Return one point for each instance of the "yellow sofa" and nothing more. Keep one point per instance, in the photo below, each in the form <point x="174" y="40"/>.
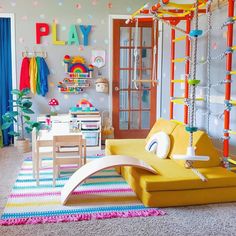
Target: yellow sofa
<point x="174" y="185"/>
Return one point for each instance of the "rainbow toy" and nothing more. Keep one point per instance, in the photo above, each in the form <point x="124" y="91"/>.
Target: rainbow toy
<point x="67" y="59"/>
<point x="84" y="103"/>
<point x="78" y="68"/>
<point x="78" y="59"/>
<point x="91" y="67"/>
<point x="78" y="74"/>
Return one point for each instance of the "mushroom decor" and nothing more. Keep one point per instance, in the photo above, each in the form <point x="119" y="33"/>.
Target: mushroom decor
<point x="53" y="103"/>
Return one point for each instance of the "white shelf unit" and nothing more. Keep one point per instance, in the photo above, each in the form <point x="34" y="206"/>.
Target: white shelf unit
<point x="84" y="121"/>
<point x="81" y="119"/>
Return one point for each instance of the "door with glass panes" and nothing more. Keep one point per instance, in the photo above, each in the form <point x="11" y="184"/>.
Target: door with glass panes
<point x="134" y="110"/>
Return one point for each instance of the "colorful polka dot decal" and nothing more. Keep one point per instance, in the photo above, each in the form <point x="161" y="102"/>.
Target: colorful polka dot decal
<point x="66" y="97"/>
<point x="214" y="45"/>
<point x="24" y="18"/>
<point x="129" y="9"/>
<point x="55" y="20"/>
<point x="85" y="95"/>
<point x="21" y="40"/>
<point x="51" y="84"/>
<point x="63" y="28"/>
<point x="81" y="48"/>
<point x="35" y="3"/>
<point x="78" y="6"/>
<point x="13" y="4"/>
<point x="42" y="16"/>
<point x="79" y="20"/>
<point x="94" y="2"/>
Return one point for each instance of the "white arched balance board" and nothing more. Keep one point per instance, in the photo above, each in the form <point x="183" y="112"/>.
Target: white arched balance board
<point x="95" y="166"/>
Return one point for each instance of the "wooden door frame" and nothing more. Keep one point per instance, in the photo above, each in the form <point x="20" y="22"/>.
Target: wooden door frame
<point x="110" y="56"/>
<point x="153" y="99"/>
<point x="110" y="65"/>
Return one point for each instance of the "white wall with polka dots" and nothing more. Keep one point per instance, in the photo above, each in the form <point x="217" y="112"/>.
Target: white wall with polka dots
<point x="65" y="13"/>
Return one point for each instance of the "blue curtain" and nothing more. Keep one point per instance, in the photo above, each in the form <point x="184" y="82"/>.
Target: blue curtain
<point x="5" y="72"/>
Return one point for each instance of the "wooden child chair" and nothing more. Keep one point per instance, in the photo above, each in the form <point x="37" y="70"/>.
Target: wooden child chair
<point x="43" y="151"/>
<point x="67" y="149"/>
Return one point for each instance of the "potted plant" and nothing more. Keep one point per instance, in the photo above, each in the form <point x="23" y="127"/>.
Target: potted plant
<point x="19" y="114"/>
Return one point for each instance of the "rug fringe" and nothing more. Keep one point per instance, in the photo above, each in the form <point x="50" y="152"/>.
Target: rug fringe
<point x="80" y="217"/>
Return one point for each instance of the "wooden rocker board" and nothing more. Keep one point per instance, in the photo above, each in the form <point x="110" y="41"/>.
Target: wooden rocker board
<point x="95" y="166"/>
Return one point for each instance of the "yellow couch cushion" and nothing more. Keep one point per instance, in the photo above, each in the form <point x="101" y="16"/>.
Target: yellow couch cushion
<point x="134" y="148"/>
<point x="171" y="175"/>
<point x="203" y="144"/>
<point x="174" y="180"/>
<point x="161" y="124"/>
<point x="168" y="198"/>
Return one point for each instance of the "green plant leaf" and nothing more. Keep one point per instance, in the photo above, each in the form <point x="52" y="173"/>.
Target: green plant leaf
<point x="27" y="111"/>
<point x="18" y="101"/>
<point x="14" y="113"/>
<point x="13" y="133"/>
<point x="16" y="92"/>
<point x="27" y="97"/>
<point x="26" y="104"/>
<point x="6" y="125"/>
<point x="27" y="118"/>
<point x="25" y="91"/>
<point x="28" y="129"/>
<point x="36" y="125"/>
<point x="6" y="117"/>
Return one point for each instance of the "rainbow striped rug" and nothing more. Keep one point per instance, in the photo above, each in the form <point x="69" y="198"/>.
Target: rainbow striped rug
<point x="103" y="196"/>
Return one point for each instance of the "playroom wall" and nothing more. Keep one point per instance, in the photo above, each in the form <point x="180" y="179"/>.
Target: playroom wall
<point x="218" y="45"/>
<point x="65" y="13"/>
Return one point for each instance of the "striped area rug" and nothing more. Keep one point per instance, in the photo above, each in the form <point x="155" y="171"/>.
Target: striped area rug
<point x="103" y="196"/>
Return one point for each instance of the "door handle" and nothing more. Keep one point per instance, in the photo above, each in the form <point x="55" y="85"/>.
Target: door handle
<point x="117" y="88"/>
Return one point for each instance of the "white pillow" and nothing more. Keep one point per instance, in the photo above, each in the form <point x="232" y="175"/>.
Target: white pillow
<point x="160" y="144"/>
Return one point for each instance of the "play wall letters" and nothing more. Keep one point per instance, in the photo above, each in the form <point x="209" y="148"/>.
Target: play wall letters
<point x="43" y="29"/>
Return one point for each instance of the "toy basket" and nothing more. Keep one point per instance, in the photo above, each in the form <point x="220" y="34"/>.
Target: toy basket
<point x="91" y="138"/>
<point x="90" y="125"/>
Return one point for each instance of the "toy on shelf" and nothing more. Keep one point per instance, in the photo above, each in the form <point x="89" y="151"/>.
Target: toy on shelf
<point x="53" y="103"/>
<point x="78" y="75"/>
<point x="84" y="107"/>
<point x="67" y="60"/>
<point x="102" y="85"/>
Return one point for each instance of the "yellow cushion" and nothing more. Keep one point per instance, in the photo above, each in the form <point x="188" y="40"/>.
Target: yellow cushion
<point x="134" y="148"/>
<point x="176" y="180"/>
<point x="203" y="144"/>
<point x="184" y="197"/>
<point x="174" y="185"/>
<point x="161" y="124"/>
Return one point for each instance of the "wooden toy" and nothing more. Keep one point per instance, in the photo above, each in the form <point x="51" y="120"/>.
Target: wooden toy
<point x="78" y="75"/>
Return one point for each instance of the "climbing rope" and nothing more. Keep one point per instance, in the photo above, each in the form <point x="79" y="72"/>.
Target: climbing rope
<point x="135" y="54"/>
<point x="208" y="97"/>
<point x="154" y="64"/>
<point x="193" y="77"/>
